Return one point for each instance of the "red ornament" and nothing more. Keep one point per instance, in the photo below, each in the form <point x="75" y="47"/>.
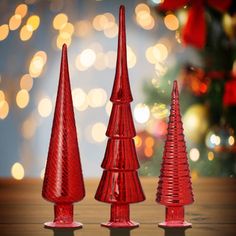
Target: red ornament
<point x="194" y="32"/>
<point x="229" y="98"/>
<point x="120" y="183"/>
<point x="175" y="187"/>
<point x="63" y="182"/>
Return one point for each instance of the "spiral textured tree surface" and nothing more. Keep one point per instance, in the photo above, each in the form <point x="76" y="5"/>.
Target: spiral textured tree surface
<point x="120" y="183"/>
<point x="63" y="182"/>
<point x="175" y="187"/>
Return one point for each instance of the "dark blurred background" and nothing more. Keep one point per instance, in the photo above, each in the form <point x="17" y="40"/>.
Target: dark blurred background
<point x="163" y="45"/>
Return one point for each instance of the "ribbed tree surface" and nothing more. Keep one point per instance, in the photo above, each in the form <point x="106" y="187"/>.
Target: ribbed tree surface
<point x="175" y="187"/>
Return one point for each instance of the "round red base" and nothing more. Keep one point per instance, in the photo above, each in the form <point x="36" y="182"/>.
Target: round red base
<point x="165" y="224"/>
<point x="61" y="225"/>
<point x="125" y="224"/>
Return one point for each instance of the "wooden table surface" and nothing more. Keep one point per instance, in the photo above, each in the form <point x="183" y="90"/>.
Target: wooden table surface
<point x="23" y="211"/>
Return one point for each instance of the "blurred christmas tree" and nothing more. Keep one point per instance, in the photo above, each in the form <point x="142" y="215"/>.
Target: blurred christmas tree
<point x="208" y="90"/>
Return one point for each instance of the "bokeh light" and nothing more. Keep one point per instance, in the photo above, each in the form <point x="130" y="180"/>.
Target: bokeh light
<point x="33" y="22"/>
<point x="171" y="22"/>
<point x="45" y="107"/>
<point x="141" y="113"/>
<point x="194" y="154"/>
<point x="98" y="132"/>
<point x="4" y="31"/>
<point x="97" y="97"/>
<point x="83" y="28"/>
<point x="26" y="82"/>
<point x="87" y="57"/>
<point x="26" y="33"/>
<point x="131" y="57"/>
<point x="60" y="21"/>
<point x="15" y="22"/>
<point x="22" y="98"/>
<point x="17" y="171"/>
<point x="210" y="156"/>
<point x="80" y="100"/>
<point x="4" y="109"/>
<point x="21" y="10"/>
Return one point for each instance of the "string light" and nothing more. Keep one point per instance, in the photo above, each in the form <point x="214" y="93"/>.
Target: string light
<point x="26" y="33"/>
<point x="33" y="22"/>
<point x="210" y="156"/>
<point x="22" y="98"/>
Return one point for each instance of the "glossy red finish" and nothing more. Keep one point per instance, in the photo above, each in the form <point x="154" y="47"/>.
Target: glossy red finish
<point x="175" y="187"/>
<point x="63" y="182"/>
<point x="120" y="183"/>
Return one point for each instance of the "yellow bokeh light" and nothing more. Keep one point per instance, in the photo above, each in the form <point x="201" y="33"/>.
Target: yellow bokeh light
<point x="157" y="53"/>
<point x="25" y="33"/>
<point x="2" y="96"/>
<point x="60" y="21"/>
<point x="109" y="17"/>
<point x="98" y="132"/>
<point x="159" y="111"/>
<point x="138" y="141"/>
<point x="97" y="97"/>
<point x="41" y="54"/>
<point x="21" y="10"/>
<point x="33" y="22"/>
<point x="210" y="156"/>
<point x="22" y="98"/>
<point x="61" y="41"/>
<point x="15" y="22"/>
<point x="142" y="7"/>
<point x="4" y="31"/>
<point x="231" y="140"/>
<point x="26" y="82"/>
<point x="36" y="66"/>
<point x="83" y="28"/>
<point x="45" y="107"/>
<point x="80" y="100"/>
<point x="4" y="109"/>
<point x="68" y="28"/>
<point x="171" y="22"/>
<point x="17" y="171"/>
<point x="87" y="57"/>
<point x="79" y="65"/>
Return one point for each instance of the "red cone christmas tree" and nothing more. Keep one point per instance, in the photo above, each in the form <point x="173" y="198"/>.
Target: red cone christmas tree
<point x="63" y="182"/>
<point x="175" y="187"/>
<point x="120" y="184"/>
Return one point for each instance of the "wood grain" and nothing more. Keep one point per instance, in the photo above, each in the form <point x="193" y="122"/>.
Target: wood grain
<point x="23" y="211"/>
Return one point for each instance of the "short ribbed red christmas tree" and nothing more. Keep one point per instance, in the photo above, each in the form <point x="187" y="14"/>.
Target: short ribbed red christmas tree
<point x="175" y="187"/>
<point x="120" y="183"/>
<point x="63" y="182"/>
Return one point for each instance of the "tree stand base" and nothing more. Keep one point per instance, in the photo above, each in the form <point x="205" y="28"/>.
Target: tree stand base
<point x="76" y="225"/>
<point x="125" y="224"/>
<point x="166" y="224"/>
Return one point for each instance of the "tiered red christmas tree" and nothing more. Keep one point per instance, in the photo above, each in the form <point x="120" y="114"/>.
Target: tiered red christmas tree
<point x="63" y="181"/>
<point x="175" y="187"/>
<point x="120" y="183"/>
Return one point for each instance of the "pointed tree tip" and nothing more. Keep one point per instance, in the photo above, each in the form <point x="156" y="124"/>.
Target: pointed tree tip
<point x="122" y="8"/>
<point x="64" y="47"/>
<point x="175" y="86"/>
